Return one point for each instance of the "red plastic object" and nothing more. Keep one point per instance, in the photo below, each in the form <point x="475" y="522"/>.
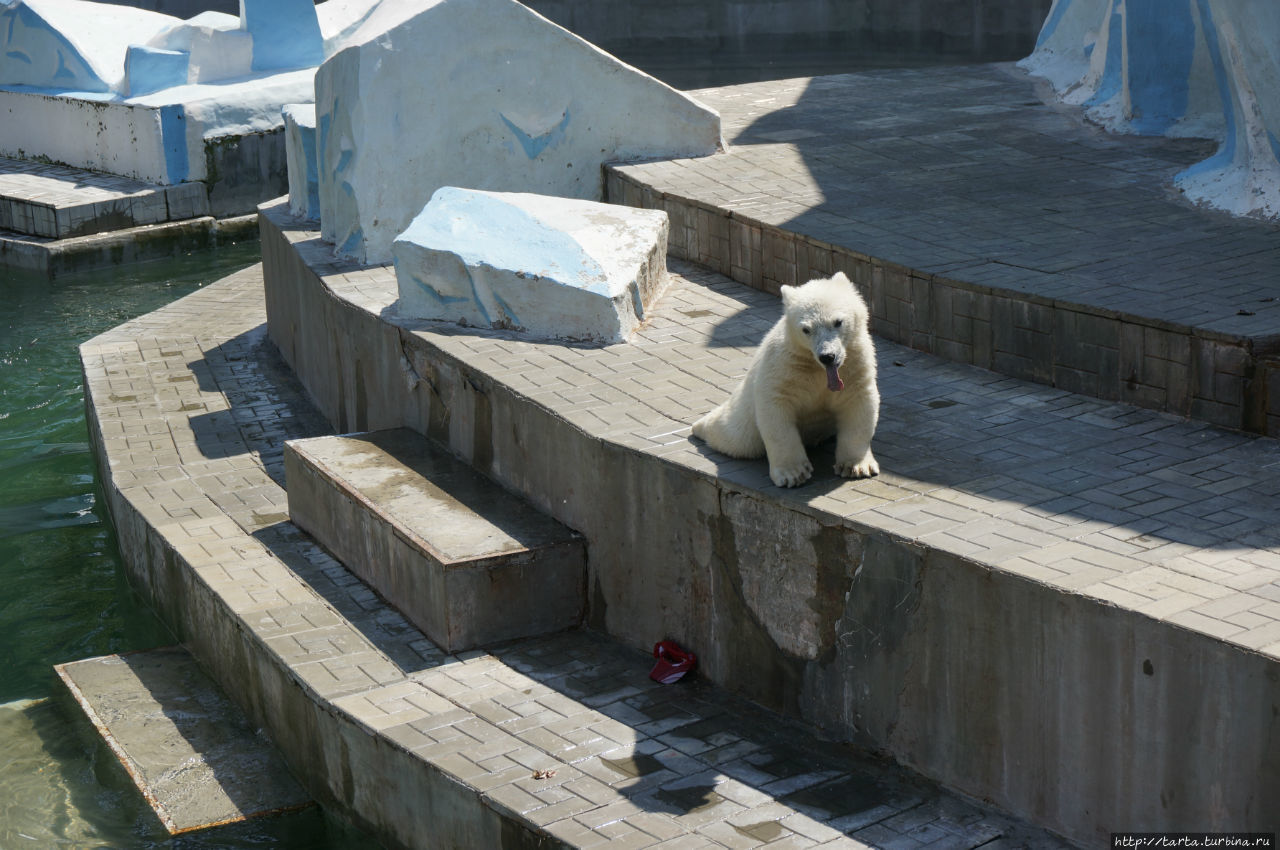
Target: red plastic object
<point x="673" y="662"/>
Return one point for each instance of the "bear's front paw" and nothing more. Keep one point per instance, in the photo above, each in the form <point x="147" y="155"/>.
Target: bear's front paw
<point x="864" y="468"/>
<point x="791" y="474"/>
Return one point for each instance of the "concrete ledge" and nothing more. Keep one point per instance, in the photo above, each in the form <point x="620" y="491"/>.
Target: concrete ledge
<point x="989" y="228"/>
<point x="1055" y="341"/>
<point x="192" y="754"/>
<point x="120" y="247"/>
<point x="950" y="612"/>
<point x="556" y="742"/>
<point x="468" y="563"/>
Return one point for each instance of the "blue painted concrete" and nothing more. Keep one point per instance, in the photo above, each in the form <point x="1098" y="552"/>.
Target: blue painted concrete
<point x="485" y="230"/>
<point x="1161" y="45"/>
<point x="150" y="69"/>
<point x="286" y="33"/>
<point x="173" y="132"/>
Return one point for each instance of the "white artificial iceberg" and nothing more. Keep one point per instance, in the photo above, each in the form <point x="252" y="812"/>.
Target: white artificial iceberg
<point x="1204" y="68"/>
<point x="485" y="94"/>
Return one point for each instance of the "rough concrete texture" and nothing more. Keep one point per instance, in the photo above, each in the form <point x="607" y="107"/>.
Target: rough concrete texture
<point x="504" y="99"/>
<point x="467" y="562"/>
<point x="1022" y="546"/>
<point x="989" y="225"/>
<point x="553" y="268"/>
<point x="193" y="755"/>
<point x="300" y="158"/>
<point x="71" y="45"/>
<point x="555" y="742"/>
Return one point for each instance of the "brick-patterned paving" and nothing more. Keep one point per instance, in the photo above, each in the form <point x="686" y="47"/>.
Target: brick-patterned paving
<point x="194" y="406"/>
<point x="990" y="226"/>
<point x="57" y="202"/>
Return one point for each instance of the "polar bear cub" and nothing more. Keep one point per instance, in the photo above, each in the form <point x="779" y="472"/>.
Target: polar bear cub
<point x="814" y="374"/>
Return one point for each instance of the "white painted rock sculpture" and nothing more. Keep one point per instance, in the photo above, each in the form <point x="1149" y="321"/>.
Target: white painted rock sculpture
<point x="1206" y="68"/>
<point x="485" y="94"/>
<point x="300" y="155"/>
<point x="555" y="268"/>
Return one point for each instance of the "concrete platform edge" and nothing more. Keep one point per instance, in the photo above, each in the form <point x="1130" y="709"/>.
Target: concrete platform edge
<point x="971" y="676"/>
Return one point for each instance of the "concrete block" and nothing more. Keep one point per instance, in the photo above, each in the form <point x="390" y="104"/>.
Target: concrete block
<point x="218" y="47"/>
<point x="286" y="33"/>
<point x="194" y="756"/>
<point x="71" y="45"/>
<point x="300" y="155"/>
<point x="467" y="562"/>
<point x="504" y="99"/>
<point x="553" y="267"/>
<point x="149" y="69"/>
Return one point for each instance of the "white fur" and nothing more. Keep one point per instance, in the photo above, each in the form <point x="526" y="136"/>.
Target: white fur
<point x="784" y="400"/>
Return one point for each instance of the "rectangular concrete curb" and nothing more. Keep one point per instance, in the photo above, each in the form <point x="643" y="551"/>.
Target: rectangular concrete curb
<point x="382" y="503"/>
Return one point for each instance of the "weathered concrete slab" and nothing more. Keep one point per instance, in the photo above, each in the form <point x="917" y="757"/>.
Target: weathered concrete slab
<point x="190" y="751"/>
<point x="38" y="199"/>
<point x="466" y="561"/>
<point x="555" y="268"/>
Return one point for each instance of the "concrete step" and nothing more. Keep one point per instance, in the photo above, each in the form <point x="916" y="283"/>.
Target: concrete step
<point x="466" y="561"/>
<point x="190" y="751"/>
<point x="991" y="228"/>
<point x="58" y="202"/>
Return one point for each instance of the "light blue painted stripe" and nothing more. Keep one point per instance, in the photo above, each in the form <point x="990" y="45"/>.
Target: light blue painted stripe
<point x="173" y="139"/>
<point x="534" y="145"/>
<point x="1227" y="150"/>
<point x="1162" y="43"/>
<point x="1056" y="14"/>
<point x="1109" y="86"/>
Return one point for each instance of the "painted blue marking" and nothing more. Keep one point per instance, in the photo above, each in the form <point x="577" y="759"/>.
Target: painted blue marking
<point x="19" y="55"/>
<point x="482" y="229"/>
<point x="1227" y="150"/>
<point x="434" y="294"/>
<point x="173" y="139"/>
<point x="535" y="145"/>
<point x="1111" y="71"/>
<point x="507" y="311"/>
<point x="1051" y="24"/>
<point x="352" y="243"/>
<point x="1162" y="43"/>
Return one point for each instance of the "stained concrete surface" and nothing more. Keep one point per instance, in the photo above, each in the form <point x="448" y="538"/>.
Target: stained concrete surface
<point x="191" y="752"/>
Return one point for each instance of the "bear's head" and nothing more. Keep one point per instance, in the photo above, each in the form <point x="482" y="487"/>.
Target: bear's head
<point x="828" y="318"/>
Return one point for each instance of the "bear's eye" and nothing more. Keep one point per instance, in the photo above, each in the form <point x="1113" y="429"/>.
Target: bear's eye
<point x="804" y="328"/>
<point x="837" y="323"/>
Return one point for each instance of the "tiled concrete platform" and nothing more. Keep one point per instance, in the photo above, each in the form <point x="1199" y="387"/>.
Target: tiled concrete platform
<point x="54" y="218"/>
<point x="55" y="201"/>
<point x="1038" y="588"/>
<point x="991" y="226"/>
<point x="559" y="741"/>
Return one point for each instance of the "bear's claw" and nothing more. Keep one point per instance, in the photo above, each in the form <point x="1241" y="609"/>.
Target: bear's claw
<point x="865" y="468"/>
<point x="792" y="475"/>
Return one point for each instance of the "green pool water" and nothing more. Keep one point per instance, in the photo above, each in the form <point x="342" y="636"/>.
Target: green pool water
<point x="63" y="595"/>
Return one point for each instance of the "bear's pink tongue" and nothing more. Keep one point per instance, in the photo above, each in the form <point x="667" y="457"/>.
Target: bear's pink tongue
<point x="833" y="379"/>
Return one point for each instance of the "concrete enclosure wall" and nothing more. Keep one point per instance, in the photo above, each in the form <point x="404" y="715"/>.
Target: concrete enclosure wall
<point x="994" y="29"/>
<point x="1045" y="703"/>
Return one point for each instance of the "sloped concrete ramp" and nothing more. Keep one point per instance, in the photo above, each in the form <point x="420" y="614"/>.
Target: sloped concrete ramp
<point x="190" y="751"/>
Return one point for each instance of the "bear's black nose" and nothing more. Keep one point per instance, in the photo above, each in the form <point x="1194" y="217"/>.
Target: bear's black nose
<point x="826" y="359"/>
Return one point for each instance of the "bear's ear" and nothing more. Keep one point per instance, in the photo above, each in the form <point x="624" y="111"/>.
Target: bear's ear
<point x="787" y="292"/>
<point x="841" y="277"/>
